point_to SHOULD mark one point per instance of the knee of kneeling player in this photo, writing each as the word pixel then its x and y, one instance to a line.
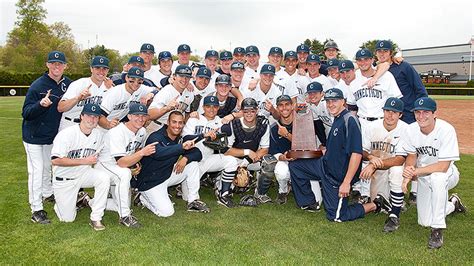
pixel 165 212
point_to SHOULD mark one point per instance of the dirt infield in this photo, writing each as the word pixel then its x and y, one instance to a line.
pixel 460 114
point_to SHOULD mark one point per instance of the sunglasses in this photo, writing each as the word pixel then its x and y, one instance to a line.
pixel 135 81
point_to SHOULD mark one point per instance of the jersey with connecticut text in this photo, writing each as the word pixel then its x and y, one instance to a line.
pixel 121 141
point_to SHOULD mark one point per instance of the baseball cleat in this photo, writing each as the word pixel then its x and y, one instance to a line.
pixel 225 200
pixel 282 198
pixel 458 205
pixel 382 204
pixel 198 206
pixel 311 208
pixel 130 221
pixel 50 199
pixel 82 200
pixel 261 199
pixel 436 238
pixel 391 224
pixel 97 225
pixel 40 217
pixel 363 200
pixel 412 199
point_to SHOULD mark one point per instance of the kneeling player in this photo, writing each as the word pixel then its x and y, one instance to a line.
pixel 384 154
pixel 432 149
pixel 75 151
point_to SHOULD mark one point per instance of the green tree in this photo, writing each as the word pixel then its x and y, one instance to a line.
pixel 315 46
pixel 371 46
pixel 116 61
pixel 30 18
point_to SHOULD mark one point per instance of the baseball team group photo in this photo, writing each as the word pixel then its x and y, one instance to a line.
pixel 245 154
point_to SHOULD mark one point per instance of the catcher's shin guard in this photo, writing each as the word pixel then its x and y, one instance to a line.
pixel 264 181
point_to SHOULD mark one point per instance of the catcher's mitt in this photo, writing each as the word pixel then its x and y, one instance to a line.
pixel 219 144
pixel 248 200
pixel 136 169
pixel 242 178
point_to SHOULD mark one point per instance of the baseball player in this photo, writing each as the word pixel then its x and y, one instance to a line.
pixel 151 72
pixel 226 59
pixel 331 51
pixel 239 54
pixel 252 57
pixel 211 59
pixel 249 137
pixel 286 79
pixel 333 72
pixel 172 96
pixel 202 87
pixel 302 52
pixel 84 91
pixel 165 61
pixel 124 148
pixel 75 151
pixel 410 85
pixel 432 150
pixel 314 98
pixel 312 64
pixel 133 61
pixel 184 54
pixel 275 55
pixel 207 125
pixel 337 169
pixel 237 70
pixel 384 155
pixel 40 125
pixel 175 162
pixel 115 103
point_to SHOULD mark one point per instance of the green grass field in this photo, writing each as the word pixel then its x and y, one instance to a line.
pixel 269 234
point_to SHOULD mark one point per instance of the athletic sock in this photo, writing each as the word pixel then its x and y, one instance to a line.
pixel 396 200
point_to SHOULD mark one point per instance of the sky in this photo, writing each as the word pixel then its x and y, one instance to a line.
pixel 204 25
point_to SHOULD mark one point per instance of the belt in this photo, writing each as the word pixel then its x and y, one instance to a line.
pixel 75 120
pixel 63 179
pixel 371 118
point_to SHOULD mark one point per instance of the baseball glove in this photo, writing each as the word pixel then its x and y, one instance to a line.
pixel 136 169
pixel 219 144
pixel 248 200
pixel 242 178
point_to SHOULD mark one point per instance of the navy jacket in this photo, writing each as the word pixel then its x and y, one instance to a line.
pixel 40 124
pixel 158 167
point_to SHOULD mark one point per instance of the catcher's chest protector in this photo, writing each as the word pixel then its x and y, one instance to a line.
pixel 249 140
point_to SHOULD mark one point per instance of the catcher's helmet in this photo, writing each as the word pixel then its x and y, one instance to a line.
pixel 249 103
pixel 331 44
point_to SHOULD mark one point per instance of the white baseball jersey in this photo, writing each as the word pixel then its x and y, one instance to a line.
pixel 252 74
pixel 382 143
pixel 371 100
pixel 261 97
pixel 160 76
pixel 75 89
pixel 176 64
pixel 343 87
pixel 320 112
pixel 333 82
pixel 288 84
pixel 72 143
pixel 121 141
pixel 154 75
pixel 439 145
pixel 116 101
pixel 303 82
pixel 202 125
pixel 166 95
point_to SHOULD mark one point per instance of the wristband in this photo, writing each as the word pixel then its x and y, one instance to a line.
pixel 246 152
pixel 233 116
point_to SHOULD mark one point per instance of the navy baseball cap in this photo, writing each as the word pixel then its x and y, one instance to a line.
pixel 275 50
pixel 313 58
pixel 252 49
pixel 56 56
pixel 183 70
pixel 211 53
pixel 147 47
pixel 184 48
pixel 164 55
pixel 223 79
pixel 239 50
pixel 283 98
pixel 364 53
pixel 249 103
pixel 100 61
pixel 331 44
pixel 135 72
pixel 237 65
pixel 290 54
pixel 210 100
pixel 314 87
pixel 225 55
pixel 334 94
pixel 136 59
pixel 137 109
pixel 268 69
pixel 383 45
pixel 424 103
pixel 91 109
pixel 333 63
pixel 302 48
pixel 394 104
pixel 203 72
pixel 346 65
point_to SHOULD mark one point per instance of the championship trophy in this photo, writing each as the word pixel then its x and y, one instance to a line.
pixel 303 141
